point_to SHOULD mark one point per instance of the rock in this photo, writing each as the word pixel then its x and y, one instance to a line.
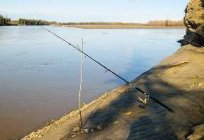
pixel 115 122
pixel 76 129
pixel 73 135
pixel 194 22
pixel 87 130
pixel 198 133
pixel 99 127
pixel 128 113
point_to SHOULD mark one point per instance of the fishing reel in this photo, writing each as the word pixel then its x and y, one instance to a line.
pixel 143 97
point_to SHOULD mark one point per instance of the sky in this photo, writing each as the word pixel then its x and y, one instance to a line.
pixel 94 10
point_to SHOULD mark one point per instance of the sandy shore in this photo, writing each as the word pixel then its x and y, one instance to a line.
pixel 177 82
pixel 120 27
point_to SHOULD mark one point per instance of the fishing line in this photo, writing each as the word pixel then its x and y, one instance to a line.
pixel 123 79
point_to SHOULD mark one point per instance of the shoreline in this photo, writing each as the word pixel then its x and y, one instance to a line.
pixel 104 26
pixel 54 124
pixel 119 27
pixel 122 116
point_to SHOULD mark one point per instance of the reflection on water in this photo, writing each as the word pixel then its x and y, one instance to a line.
pixel 39 74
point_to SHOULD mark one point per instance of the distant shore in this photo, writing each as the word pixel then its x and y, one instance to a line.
pixel 98 26
pixel 155 24
pixel 119 26
pixel 123 25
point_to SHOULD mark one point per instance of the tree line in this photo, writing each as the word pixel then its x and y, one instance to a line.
pixel 21 21
pixel 4 21
pixel 32 22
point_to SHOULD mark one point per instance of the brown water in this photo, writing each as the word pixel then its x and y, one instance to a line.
pixel 39 74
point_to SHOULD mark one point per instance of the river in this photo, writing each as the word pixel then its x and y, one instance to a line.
pixel 39 74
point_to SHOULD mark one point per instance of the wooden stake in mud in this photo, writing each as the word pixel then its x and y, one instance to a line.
pixel 80 86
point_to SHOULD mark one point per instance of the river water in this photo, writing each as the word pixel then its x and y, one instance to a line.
pixel 39 74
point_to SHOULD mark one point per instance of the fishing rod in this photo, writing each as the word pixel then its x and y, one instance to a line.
pixel 108 69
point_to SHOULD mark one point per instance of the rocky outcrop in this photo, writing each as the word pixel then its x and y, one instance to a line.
pixel 194 22
pixel 197 133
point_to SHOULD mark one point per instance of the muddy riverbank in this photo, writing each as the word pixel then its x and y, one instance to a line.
pixel 177 82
